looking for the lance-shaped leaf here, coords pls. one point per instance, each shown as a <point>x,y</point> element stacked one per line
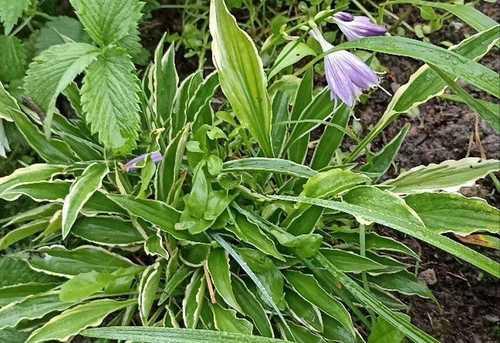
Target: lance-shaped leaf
<point>33,173</point>
<point>218,265</point>
<point>72,321</point>
<point>110,100</point>
<point>22,232</point>
<point>108,21</point>
<point>226,320</point>
<point>107,231</point>
<point>32,307</point>
<point>309,289</point>
<point>170,335</point>
<point>271,165</point>
<point>148,287</point>
<point>194,300</point>
<point>241,74</point>
<point>448,175</point>
<point>291,53</point>
<point>80,192</point>
<point>53,71</point>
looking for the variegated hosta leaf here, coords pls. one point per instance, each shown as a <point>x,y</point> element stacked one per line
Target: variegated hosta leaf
<point>11,11</point>
<point>218,265</point>
<point>448,175</point>
<point>108,21</point>
<point>13,56</point>
<point>241,74</point>
<point>148,288</point>
<point>76,319</point>
<point>33,173</point>
<point>112,231</point>
<point>226,320</point>
<point>111,102</point>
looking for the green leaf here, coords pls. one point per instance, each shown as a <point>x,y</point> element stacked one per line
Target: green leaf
<point>378,165</point>
<point>350,262</point>
<point>291,53</point>
<point>73,321</point>
<point>226,320</point>
<point>109,21</point>
<point>184,94</point>
<point>304,312</point>
<point>383,332</point>
<point>271,165</point>
<point>369,300</point>
<point>149,285</point>
<point>332,183</point>
<point>218,265</point>
<point>50,149</point>
<point>402,282</point>
<point>80,192</point>
<point>57,260</point>
<point>164,80</point>
<point>22,232</point>
<point>448,175</point>
<point>252,308</point>
<point>375,242</point>
<point>449,61</point>
<point>252,234</point>
<point>241,74</point>
<point>491,115</point>
<point>32,307</point>
<point>8,104</point>
<point>168,335</point>
<point>33,173</point>
<point>55,32</point>
<point>110,100</point>
<point>112,231</point>
<point>469,214</point>
<point>372,204</point>
<point>11,11</point>
<point>13,55</point>
<point>331,138</point>
<point>310,290</point>
<point>14,271</point>
<point>466,13</point>
<point>193,301</point>
<point>53,71</point>
<point>13,336</point>
<point>83,285</point>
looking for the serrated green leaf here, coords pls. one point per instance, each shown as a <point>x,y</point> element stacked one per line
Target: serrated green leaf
<point>13,55</point>
<point>52,72</point>
<point>71,322</point>
<point>53,31</point>
<point>108,21</point>
<point>241,74</point>
<point>80,192</point>
<point>110,100</point>
<point>11,11</point>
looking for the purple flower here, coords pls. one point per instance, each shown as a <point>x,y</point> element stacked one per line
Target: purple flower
<point>355,27</point>
<point>346,74</point>
<point>133,163</point>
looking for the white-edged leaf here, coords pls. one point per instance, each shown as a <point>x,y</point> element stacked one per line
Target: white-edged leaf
<point>80,192</point>
<point>218,265</point>
<point>110,100</point>
<point>33,173</point>
<point>72,321</point>
<point>226,320</point>
<point>148,287</point>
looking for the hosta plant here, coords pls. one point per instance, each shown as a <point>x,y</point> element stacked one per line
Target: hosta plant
<point>239,218</point>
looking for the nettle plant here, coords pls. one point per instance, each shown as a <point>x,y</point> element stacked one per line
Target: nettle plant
<point>235,225</point>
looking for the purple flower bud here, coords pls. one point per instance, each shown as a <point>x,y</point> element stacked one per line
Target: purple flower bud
<point>355,27</point>
<point>133,163</point>
<point>346,74</point>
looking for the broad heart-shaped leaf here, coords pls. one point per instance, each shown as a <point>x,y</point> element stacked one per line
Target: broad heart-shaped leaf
<point>33,173</point>
<point>447,60</point>
<point>466,13</point>
<point>171,335</point>
<point>443,212</point>
<point>31,307</point>
<point>13,57</point>
<point>72,321</point>
<point>111,102</point>
<point>218,265</point>
<point>112,231</point>
<point>52,72</point>
<point>108,21</point>
<point>241,74</point>
<point>448,175</point>
<point>11,11</point>
<point>310,290</point>
<point>373,204</point>
<point>57,260</point>
<point>80,192</point>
